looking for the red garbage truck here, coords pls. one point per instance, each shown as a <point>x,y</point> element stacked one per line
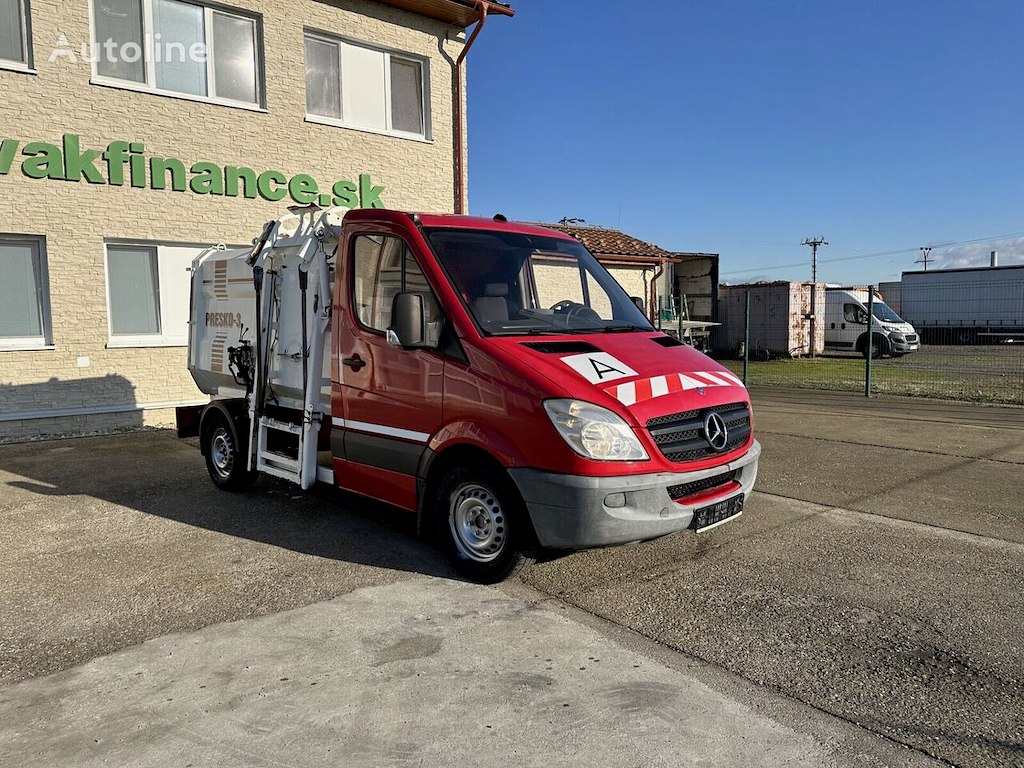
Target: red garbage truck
<point>490,377</point>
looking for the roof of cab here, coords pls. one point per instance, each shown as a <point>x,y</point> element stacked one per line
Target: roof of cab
<point>457,221</point>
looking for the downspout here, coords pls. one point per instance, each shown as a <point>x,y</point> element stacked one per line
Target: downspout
<point>460,167</point>
<point>654,291</point>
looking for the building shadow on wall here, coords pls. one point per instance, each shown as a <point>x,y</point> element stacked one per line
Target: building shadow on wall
<point>155,473</point>
<point>94,404</point>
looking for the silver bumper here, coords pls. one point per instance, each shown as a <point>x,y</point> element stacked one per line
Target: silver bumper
<point>577,512</point>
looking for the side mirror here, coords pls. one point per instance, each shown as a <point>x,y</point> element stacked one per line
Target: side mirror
<point>407,321</point>
<point>639,303</point>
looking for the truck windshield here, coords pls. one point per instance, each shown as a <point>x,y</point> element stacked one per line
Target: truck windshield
<point>884,312</point>
<point>517,284</point>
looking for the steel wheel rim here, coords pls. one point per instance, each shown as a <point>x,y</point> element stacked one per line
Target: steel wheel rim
<point>477,523</point>
<point>222,452</point>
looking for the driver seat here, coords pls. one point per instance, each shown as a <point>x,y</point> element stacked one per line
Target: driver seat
<point>493,305</point>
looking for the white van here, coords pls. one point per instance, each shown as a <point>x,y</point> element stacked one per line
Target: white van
<point>846,325</point>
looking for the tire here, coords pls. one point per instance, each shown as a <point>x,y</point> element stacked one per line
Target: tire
<point>225,461</point>
<point>878,348</point>
<point>482,524</point>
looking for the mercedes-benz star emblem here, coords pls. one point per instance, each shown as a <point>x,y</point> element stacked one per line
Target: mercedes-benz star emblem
<point>715,431</point>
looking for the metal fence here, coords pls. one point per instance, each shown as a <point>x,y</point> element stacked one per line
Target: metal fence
<point>967,340</point>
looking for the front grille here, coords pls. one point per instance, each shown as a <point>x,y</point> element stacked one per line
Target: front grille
<point>911,338</point>
<point>683,490</point>
<point>680,436</point>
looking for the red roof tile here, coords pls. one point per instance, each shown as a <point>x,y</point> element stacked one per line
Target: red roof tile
<point>605,242</point>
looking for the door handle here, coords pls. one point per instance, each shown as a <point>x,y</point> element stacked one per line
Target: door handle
<point>355,362</point>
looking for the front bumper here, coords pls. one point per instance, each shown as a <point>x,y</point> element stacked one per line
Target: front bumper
<point>905,346</point>
<point>571,511</point>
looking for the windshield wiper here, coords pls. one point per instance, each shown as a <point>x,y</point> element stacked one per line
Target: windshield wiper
<point>535,332</point>
<point>623,328</point>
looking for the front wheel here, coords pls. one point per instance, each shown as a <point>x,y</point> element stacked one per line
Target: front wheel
<point>225,461</point>
<point>482,524</point>
<point>877,348</point>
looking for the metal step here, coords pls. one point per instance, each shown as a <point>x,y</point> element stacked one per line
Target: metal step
<point>278,460</point>
<point>291,477</point>
<point>280,426</point>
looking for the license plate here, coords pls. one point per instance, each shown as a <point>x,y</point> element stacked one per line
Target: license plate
<point>709,517</point>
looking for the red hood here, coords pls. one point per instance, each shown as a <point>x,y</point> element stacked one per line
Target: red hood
<point>628,371</point>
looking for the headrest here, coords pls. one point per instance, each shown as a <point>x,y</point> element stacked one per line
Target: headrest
<point>496,289</point>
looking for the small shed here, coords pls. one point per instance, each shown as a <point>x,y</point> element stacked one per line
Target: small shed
<point>779,319</point>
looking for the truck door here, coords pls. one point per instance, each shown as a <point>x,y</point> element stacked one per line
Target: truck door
<point>391,397</point>
<point>853,323</point>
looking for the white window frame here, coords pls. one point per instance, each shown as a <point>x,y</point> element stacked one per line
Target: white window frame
<point>149,60</point>
<point>424,64</point>
<point>45,341</point>
<point>170,305</point>
<point>25,64</point>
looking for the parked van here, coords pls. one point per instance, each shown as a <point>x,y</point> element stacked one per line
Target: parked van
<point>846,325</point>
<point>491,377</point>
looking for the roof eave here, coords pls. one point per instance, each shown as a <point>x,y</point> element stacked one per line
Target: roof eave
<point>459,13</point>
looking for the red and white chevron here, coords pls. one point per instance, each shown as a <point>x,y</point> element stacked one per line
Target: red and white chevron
<point>639,390</point>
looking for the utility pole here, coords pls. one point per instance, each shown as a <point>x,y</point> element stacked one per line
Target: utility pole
<point>814,242</point>
<point>925,256</point>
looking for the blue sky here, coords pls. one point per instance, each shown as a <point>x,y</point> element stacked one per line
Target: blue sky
<point>742,127</point>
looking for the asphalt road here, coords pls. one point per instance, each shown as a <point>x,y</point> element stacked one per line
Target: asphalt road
<point>875,576</point>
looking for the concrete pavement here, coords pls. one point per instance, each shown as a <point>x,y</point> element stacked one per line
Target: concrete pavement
<point>422,672</point>
<point>869,598</point>
<point>876,573</point>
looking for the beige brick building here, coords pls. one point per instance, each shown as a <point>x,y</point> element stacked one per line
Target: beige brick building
<point>195,124</point>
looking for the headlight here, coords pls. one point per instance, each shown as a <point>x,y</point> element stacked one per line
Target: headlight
<point>896,335</point>
<point>594,432</point>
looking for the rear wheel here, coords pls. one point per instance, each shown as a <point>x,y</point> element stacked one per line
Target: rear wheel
<point>225,461</point>
<point>482,524</point>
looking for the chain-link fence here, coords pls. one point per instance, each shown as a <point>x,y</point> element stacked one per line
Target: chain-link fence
<point>946,334</point>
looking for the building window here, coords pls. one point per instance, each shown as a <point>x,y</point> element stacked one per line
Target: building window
<point>24,294</point>
<point>148,294</point>
<point>355,86</point>
<point>14,34</point>
<point>175,47</point>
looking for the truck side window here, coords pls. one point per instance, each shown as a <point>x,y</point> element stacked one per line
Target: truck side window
<point>855,314</point>
<point>382,267</point>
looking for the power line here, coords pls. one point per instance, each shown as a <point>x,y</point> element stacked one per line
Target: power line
<point>857,257</point>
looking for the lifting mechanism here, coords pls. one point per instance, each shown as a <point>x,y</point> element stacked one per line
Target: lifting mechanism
<point>293,268</point>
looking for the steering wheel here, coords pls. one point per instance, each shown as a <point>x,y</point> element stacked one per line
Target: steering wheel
<point>571,308</point>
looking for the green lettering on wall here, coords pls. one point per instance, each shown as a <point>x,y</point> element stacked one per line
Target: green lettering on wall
<point>44,161</point>
<point>346,194</point>
<point>268,192</point>
<point>78,164</point>
<point>70,162</point>
<point>138,162</point>
<point>369,195</point>
<point>158,168</point>
<point>233,175</point>
<point>207,179</point>
<point>117,158</point>
<point>8,148</point>
<point>303,189</point>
